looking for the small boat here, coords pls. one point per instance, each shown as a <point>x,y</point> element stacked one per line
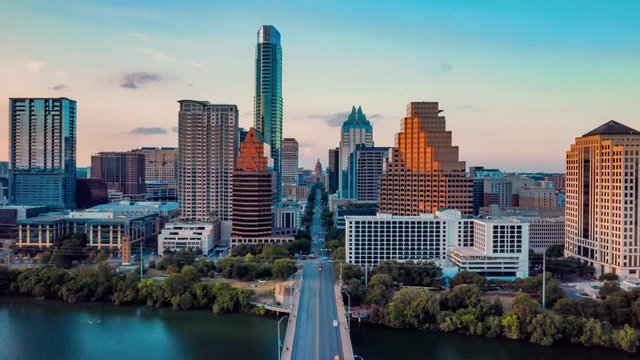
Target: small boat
<point>90,322</point>
<point>99,321</point>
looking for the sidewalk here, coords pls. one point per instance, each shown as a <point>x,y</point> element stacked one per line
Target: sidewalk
<point>291,323</point>
<point>345,337</point>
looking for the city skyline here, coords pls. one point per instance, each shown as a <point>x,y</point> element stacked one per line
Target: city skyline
<point>542,79</point>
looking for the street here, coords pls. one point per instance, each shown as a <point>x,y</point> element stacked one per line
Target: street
<point>316,337</point>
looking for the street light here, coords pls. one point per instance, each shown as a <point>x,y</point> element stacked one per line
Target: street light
<point>349,307</point>
<point>279,342</point>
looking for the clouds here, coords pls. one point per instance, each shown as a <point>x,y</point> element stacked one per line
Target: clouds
<point>135,80</point>
<point>445,67</point>
<point>34,66</point>
<point>140,36</point>
<point>59,87</point>
<point>154,54</point>
<point>148,131</point>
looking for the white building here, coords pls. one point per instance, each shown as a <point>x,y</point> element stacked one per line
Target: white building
<point>543,231</point>
<point>194,236</point>
<point>286,218</point>
<point>494,247</point>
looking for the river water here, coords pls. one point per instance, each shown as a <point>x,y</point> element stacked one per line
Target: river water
<point>31,329</point>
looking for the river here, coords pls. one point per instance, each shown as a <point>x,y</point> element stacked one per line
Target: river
<point>31,329</point>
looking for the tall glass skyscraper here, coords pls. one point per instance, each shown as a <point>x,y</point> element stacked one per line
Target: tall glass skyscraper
<point>42,137</point>
<point>267,104</point>
<point>356,130</point>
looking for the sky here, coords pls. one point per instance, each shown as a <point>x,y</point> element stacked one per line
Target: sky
<point>517,80</point>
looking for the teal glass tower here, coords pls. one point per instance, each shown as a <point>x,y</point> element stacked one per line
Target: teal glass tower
<point>267,104</point>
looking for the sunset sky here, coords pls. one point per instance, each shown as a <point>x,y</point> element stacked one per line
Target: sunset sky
<point>518,80</point>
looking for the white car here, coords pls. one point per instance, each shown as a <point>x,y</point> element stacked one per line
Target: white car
<point>335,323</point>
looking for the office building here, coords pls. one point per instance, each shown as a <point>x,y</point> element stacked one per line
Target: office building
<point>602,205</point>
<point>299,193</point>
<point>104,230</point>
<point>352,209</point>
<point>289,161</point>
<point>268,98</point>
<point>424,173</point>
<point>252,189</point>
<point>537,197</point>
<point>122,171</point>
<point>333,170</point>
<point>497,191</point>
<point>160,164</point>
<point>189,236</point>
<point>366,165</point>
<point>558,181</point>
<point>492,247</point>
<point>543,231</point>
<point>355,130</point>
<point>91,192</point>
<point>9,217</point>
<point>42,152</point>
<point>478,174</point>
<point>160,191</point>
<point>207,136</point>
<point>286,220</point>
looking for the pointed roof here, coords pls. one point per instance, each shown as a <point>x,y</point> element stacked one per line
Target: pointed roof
<point>612,128</point>
<point>356,117</point>
<point>251,157</point>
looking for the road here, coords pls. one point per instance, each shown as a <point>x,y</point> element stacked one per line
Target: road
<point>316,337</point>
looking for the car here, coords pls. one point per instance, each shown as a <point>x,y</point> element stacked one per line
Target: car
<point>335,323</point>
<point>320,267</point>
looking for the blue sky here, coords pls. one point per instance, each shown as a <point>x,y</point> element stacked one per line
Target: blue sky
<point>518,80</point>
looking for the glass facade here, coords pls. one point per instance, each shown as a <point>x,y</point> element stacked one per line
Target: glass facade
<point>268,98</point>
<point>42,152</point>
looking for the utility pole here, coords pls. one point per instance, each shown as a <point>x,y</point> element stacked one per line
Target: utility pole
<point>544,279</point>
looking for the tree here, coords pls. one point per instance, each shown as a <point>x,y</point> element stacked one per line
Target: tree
<point>283,268</point>
<point>608,288</point>
<point>555,251</point>
<point>190,273</point>
<point>626,339</point>
<point>595,333</point>
<point>271,253</point>
<point>68,250</point>
<point>469,277</point>
<point>511,326</point>
<point>545,329</point>
<point>102,256</point>
<point>608,277</point>
<point>379,288</point>
<point>356,291</point>
<point>414,307</point>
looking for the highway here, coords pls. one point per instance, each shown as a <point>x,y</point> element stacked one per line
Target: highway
<point>316,337</point>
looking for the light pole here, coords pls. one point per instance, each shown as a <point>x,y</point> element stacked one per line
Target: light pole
<point>544,279</point>
<point>279,342</point>
<point>348,307</point>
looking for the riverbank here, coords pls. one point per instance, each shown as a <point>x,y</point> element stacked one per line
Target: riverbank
<point>33,329</point>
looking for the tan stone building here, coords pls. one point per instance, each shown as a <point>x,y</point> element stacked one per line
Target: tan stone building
<point>424,173</point>
<point>601,217</point>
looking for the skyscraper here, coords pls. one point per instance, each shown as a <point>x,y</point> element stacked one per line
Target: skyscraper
<point>207,139</point>
<point>268,99</point>
<point>424,173</point>
<point>289,161</point>
<point>334,163</point>
<point>123,172</point>
<point>602,206</point>
<point>252,189</point>
<point>42,152</point>
<point>355,130</point>
<point>366,165</point>
<point>161,164</point>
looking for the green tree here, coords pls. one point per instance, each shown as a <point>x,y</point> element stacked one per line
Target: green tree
<point>555,251</point>
<point>283,268</point>
<point>414,307</point>
<point>511,326</point>
<point>608,288</point>
<point>190,273</point>
<point>595,333</point>
<point>469,278</point>
<point>545,328</point>
<point>271,253</point>
<point>626,339</point>
<point>379,289</point>
<point>608,277</point>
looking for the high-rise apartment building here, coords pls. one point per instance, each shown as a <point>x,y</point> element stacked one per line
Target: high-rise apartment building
<point>42,152</point>
<point>122,172</point>
<point>356,130</point>
<point>537,198</point>
<point>161,164</point>
<point>602,206</point>
<point>366,165</point>
<point>289,161</point>
<point>424,173</point>
<point>333,170</point>
<point>252,189</point>
<point>207,139</point>
<point>268,99</point>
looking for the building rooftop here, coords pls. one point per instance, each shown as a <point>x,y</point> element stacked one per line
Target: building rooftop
<point>612,128</point>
